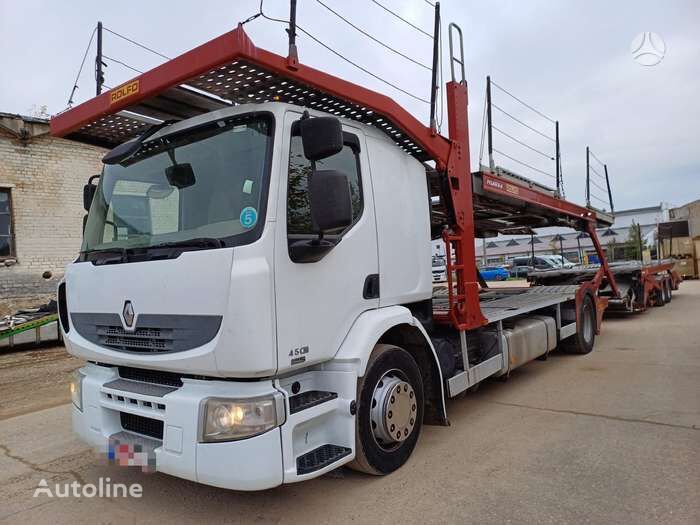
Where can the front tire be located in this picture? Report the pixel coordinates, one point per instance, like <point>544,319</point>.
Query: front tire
<point>583,340</point>
<point>389,411</point>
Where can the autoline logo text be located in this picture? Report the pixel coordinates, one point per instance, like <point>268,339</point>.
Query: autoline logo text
<point>103,489</point>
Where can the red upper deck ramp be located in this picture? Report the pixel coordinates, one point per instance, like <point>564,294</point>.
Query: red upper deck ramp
<point>231,69</point>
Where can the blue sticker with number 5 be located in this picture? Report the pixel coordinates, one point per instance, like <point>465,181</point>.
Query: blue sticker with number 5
<point>249,216</point>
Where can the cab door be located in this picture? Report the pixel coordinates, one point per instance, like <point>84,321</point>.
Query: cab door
<point>317,302</point>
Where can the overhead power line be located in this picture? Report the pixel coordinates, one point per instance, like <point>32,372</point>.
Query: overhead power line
<point>597,185</point>
<point>80,70</point>
<point>137,43</point>
<point>524,164</point>
<point>402,19</point>
<point>596,172</point>
<point>545,155</point>
<point>596,158</point>
<point>339,55</point>
<point>360,67</point>
<point>122,64</point>
<point>523,103</point>
<point>373,38</point>
<point>521,122</point>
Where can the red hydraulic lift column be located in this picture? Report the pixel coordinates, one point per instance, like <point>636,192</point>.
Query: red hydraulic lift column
<point>465,310</point>
<point>604,266</point>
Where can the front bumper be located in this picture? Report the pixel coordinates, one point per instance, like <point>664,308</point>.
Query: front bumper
<point>254,463</point>
<point>248,464</point>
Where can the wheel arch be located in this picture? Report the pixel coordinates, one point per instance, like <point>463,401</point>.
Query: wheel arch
<point>396,325</point>
<point>414,339</point>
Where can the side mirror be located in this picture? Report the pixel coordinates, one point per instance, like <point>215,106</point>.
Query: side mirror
<point>89,191</point>
<point>331,208</point>
<point>329,199</point>
<point>321,137</point>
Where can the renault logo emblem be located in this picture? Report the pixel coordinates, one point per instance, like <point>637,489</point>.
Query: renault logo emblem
<point>128,314</point>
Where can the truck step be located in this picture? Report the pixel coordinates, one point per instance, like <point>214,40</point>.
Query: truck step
<point>320,457</point>
<point>309,399</point>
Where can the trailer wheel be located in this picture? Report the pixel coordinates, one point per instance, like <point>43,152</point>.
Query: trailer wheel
<point>583,340</point>
<point>389,411</point>
<point>660,298</point>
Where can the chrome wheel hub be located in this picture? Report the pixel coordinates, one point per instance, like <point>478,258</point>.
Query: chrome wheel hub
<point>394,410</point>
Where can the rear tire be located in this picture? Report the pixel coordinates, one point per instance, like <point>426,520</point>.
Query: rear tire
<point>583,340</point>
<point>660,295</point>
<point>669,290</point>
<point>389,411</point>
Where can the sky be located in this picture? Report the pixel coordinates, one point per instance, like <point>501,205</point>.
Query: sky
<point>571,60</point>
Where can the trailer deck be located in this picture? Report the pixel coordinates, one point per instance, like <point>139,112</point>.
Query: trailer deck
<point>640,284</point>
<point>498,304</point>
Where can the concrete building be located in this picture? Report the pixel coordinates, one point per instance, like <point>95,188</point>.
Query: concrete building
<point>688,212</point>
<point>575,246</point>
<point>41,181</point>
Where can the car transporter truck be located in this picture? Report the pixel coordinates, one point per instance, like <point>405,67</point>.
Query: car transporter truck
<point>253,295</point>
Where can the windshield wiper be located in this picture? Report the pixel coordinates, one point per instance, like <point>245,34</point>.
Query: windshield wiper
<point>122,253</point>
<point>199,242</point>
<point>131,147</point>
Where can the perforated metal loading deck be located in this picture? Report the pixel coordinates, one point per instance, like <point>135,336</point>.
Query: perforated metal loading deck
<point>231,70</point>
<point>503,303</point>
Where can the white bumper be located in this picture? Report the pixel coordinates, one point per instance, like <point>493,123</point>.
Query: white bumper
<point>255,463</point>
<point>248,464</point>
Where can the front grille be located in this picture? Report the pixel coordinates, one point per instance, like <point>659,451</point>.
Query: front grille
<point>140,340</point>
<point>150,376</point>
<point>142,425</point>
<point>153,333</point>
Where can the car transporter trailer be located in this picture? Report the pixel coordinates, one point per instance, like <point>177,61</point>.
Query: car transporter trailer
<point>237,367</point>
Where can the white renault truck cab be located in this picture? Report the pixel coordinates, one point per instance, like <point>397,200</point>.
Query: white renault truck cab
<point>235,278</point>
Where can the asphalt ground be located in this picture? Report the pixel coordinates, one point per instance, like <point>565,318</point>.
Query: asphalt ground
<point>611,437</point>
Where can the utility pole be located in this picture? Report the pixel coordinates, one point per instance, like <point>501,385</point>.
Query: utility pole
<point>557,159</point>
<point>436,53</point>
<point>292,55</point>
<point>489,122</point>
<point>588,177</point>
<point>99,76</point>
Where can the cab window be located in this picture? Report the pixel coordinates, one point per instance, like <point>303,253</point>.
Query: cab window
<point>347,161</point>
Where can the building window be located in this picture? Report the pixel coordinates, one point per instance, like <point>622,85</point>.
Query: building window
<point>6,241</point>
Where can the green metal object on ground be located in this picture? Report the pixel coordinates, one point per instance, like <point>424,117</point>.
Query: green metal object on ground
<point>29,325</point>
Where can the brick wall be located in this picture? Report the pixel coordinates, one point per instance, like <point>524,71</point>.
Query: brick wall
<point>46,176</point>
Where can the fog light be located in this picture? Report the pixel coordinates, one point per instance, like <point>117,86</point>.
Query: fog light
<point>231,419</point>
<point>76,389</point>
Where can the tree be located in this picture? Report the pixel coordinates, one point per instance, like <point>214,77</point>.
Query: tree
<point>635,244</point>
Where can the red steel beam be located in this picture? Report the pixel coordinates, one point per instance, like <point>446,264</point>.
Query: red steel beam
<point>604,266</point>
<point>465,308</point>
<point>495,184</point>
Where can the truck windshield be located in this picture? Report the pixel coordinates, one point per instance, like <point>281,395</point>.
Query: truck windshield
<point>208,182</point>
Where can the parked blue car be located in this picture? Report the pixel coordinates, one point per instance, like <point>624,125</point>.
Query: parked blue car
<point>494,273</point>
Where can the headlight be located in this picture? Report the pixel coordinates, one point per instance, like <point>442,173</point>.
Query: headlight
<point>76,389</point>
<point>230,419</point>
